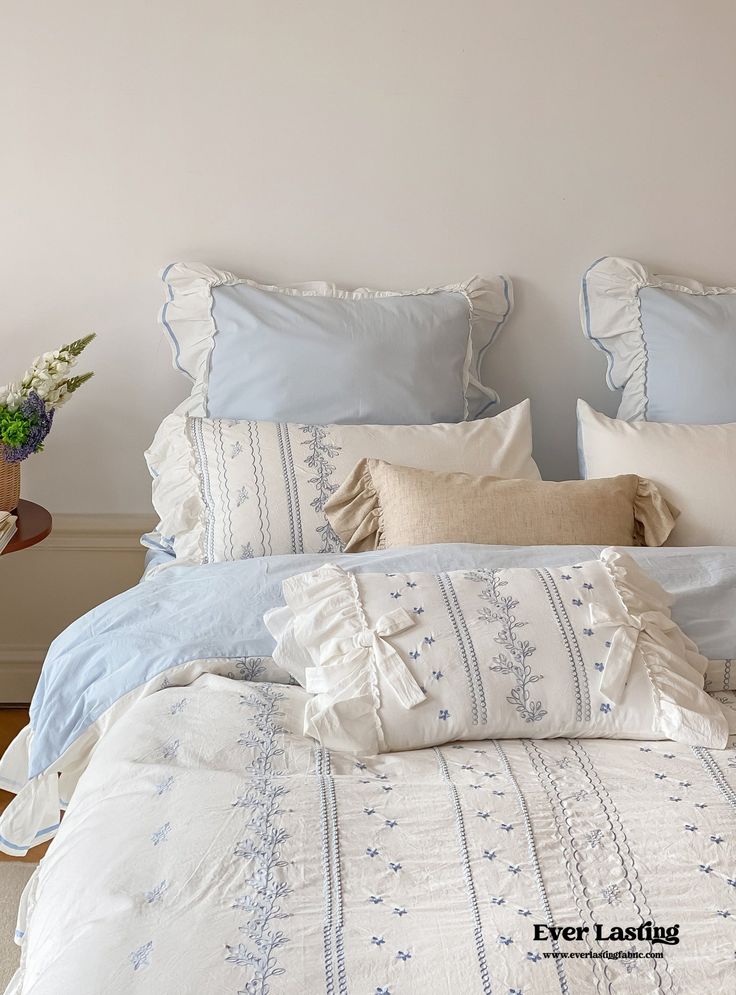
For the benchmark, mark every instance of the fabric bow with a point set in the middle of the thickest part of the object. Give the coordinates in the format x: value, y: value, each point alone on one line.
x: 388, y: 663
x: 623, y: 644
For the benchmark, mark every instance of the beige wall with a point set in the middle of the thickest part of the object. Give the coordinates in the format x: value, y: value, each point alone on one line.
x: 389, y: 143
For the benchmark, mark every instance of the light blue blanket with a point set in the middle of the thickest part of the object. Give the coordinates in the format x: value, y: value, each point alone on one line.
x: 188, y: 613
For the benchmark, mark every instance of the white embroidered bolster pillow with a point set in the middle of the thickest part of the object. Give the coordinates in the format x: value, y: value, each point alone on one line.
x: 405, y: 661
x: 230, y: 490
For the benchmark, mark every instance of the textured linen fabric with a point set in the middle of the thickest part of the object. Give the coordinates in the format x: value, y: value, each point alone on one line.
x: 229, y: 490
x: 210, y: 847
x: 404, y: 661
x: 670, y: 342
x: 381, y: 505
x: 694, y: 467
x: 314, y: 353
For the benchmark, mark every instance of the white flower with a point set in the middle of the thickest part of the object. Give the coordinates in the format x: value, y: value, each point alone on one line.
x: 11, y: 396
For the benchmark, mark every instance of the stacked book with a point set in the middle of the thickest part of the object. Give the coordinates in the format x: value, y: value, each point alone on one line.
x: 7, y: 528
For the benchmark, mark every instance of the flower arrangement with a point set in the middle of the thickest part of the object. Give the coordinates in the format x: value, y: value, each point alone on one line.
x: 27, y: 408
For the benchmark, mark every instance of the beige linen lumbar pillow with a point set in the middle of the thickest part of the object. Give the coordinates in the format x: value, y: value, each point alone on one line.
x: 381, y: 505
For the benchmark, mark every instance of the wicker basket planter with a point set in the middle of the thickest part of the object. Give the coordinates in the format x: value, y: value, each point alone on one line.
x: 9, y: 485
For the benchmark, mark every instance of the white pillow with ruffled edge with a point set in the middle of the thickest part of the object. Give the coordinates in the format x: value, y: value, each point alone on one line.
x: 232, y: 490
x: 405, y: 661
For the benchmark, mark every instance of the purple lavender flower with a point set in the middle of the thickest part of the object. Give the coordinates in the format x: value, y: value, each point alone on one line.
x: 39, y: 421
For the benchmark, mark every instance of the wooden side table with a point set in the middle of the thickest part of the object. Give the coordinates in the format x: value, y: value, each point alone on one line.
x: 33, y: 525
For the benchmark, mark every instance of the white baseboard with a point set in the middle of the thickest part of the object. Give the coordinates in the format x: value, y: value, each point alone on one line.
x: 86, y: 560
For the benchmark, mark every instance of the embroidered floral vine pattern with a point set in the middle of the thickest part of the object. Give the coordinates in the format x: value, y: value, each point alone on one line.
x: 513, y: 661
x: 262, y: 850
x: 321, y: 451
x: 250, y: 668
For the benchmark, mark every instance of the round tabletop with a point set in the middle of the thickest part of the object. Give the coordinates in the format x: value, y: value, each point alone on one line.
x: 33, y: 525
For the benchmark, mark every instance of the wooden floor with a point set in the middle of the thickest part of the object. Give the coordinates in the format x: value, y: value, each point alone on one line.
x: 12, y: 721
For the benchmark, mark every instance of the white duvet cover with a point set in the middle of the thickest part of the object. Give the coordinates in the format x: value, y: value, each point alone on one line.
x: 210, y: 848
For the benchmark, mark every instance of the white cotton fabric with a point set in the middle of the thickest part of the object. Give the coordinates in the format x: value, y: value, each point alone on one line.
x: 694, y: 466
x: 405, y: 661
x: 230, y: 490
x: 210, y: 845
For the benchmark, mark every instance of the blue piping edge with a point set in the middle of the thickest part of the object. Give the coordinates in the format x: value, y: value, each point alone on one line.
x: 41, y: 832
x: 167, y: 326
x: 587, y: 332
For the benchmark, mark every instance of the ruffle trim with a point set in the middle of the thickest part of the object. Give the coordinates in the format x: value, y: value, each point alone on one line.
x: 347, y: 664
x: 355, y: 512
x: 684, y: 713
x: 176, y: 488
x: 187, y: 319
x: 610, y: 312
x: 654, y: 518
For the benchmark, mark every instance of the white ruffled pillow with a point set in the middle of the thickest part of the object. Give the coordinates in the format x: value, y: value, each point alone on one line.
x: 406, y: 661
x: 231, y: 490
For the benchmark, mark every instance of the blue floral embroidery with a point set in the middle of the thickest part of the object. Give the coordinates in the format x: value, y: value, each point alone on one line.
x: 444, y: 714
x: 178, y: 706
x: 156, y: 893
x: 605, y: 707
x: 170, y: 749
x: 165, y: 785
x: 378, y: 940
x: 242, y: 496
x: 246, y: 551
x: 514, y: 661
x: 139, y: 957
x: 250, y: 668
x: 161, y: 834
x: 321, y: 451
x: 403, y: 955
x: 262, y: 850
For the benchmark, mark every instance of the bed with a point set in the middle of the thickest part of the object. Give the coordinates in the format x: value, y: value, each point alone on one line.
x: 209, y: 846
